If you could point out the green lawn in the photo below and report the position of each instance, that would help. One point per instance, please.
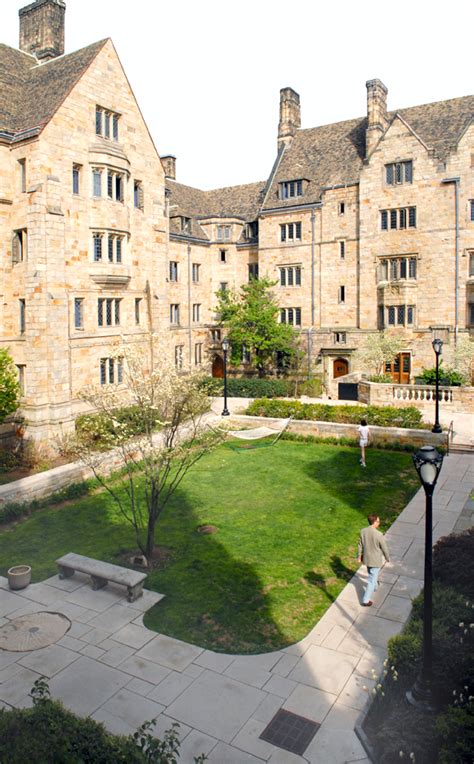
(288, 519)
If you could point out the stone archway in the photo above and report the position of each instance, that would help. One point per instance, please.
(218, 367)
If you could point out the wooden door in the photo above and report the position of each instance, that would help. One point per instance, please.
(400, 369)
(341, 367)
(218, 367)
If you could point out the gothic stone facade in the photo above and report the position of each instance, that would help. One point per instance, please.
(100, 244)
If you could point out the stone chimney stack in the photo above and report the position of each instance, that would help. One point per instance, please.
(290, 116)
(377, 120)
(169, 166)
(42, 29)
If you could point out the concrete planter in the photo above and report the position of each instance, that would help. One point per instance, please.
(19, 576)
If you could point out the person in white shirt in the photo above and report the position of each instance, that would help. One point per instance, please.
(363, 439)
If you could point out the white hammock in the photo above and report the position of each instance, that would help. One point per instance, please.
(260, 432)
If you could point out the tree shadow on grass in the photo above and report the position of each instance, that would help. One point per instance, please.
(211, 598)
(385, 486)
(341, 573)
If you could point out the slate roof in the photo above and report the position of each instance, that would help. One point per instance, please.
(234, 201)
(30, 92)
(334, 154)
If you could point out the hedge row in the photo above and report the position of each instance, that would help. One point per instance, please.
(382, 416)
(14, 510)
(254, 387)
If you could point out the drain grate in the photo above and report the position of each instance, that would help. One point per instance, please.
(290, 731)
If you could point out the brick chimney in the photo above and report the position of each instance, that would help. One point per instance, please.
(377, 120)
(169, 166)
(290, 116)
(42, 28)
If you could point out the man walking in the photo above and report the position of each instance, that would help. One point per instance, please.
(372, 551)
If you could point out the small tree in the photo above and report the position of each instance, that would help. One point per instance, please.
(464, 359)
(377, 350)
(172, 438)
(251, 320)
(9, 386)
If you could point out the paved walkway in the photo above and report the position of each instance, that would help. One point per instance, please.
(113, 668)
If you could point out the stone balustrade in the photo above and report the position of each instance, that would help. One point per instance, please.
(460, 400)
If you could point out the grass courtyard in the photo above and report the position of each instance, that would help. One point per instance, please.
(287, 520)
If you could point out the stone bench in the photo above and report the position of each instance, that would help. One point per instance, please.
(101, 573)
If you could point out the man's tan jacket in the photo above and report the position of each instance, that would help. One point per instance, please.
(372, 547)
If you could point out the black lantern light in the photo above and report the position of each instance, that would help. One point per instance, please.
(428, 462)
(437, 347)
(225, 350)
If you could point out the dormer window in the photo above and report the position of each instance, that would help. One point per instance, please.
(291, 188)
(186, 225)
(399, 172)
(223, 232)
(252, 230)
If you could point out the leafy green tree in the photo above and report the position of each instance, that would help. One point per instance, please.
(251, 320)
(9, 387)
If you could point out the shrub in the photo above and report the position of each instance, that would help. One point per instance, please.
(381, 378)
(452, 642)
(383, 416)
(14, 510)
(49, 733)
(449, 377)
(455, 729)
(453, 562)
(102, 429)
(311, 387)
(211, 385)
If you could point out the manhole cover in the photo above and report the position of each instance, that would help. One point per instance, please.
(290, 732)
(33, 631)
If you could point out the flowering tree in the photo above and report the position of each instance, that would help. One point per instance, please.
(464, 359)
(9, 387)
(377, 350)
(160, 439)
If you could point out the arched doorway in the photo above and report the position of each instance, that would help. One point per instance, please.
(340, 367)
(218, 367)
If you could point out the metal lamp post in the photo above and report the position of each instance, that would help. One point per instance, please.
(428, 462)
(225, 350)
(437, 347)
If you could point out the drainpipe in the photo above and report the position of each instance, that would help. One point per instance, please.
(190, 331)
(313, 244)
(456, 182)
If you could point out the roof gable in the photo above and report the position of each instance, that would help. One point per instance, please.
(34, 92)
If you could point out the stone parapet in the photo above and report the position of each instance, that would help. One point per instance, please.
(459, 400)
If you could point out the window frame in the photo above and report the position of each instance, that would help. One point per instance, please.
(400, 172)
(173, 271)
(174, 314)
(19, 246)
(79, 313)
(195, 268)
(76, 178)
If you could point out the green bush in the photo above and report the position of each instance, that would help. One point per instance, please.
(102, 429)
(211, 385)
(449, 377)
(452, 642)
(385, 379)
(383, 416)
(455, 729)
(49, 733)
(311, 387)
(453, 562)
(14, 510)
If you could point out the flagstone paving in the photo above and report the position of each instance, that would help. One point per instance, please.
(112, 668)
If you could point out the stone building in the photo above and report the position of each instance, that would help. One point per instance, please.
(364, 224)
